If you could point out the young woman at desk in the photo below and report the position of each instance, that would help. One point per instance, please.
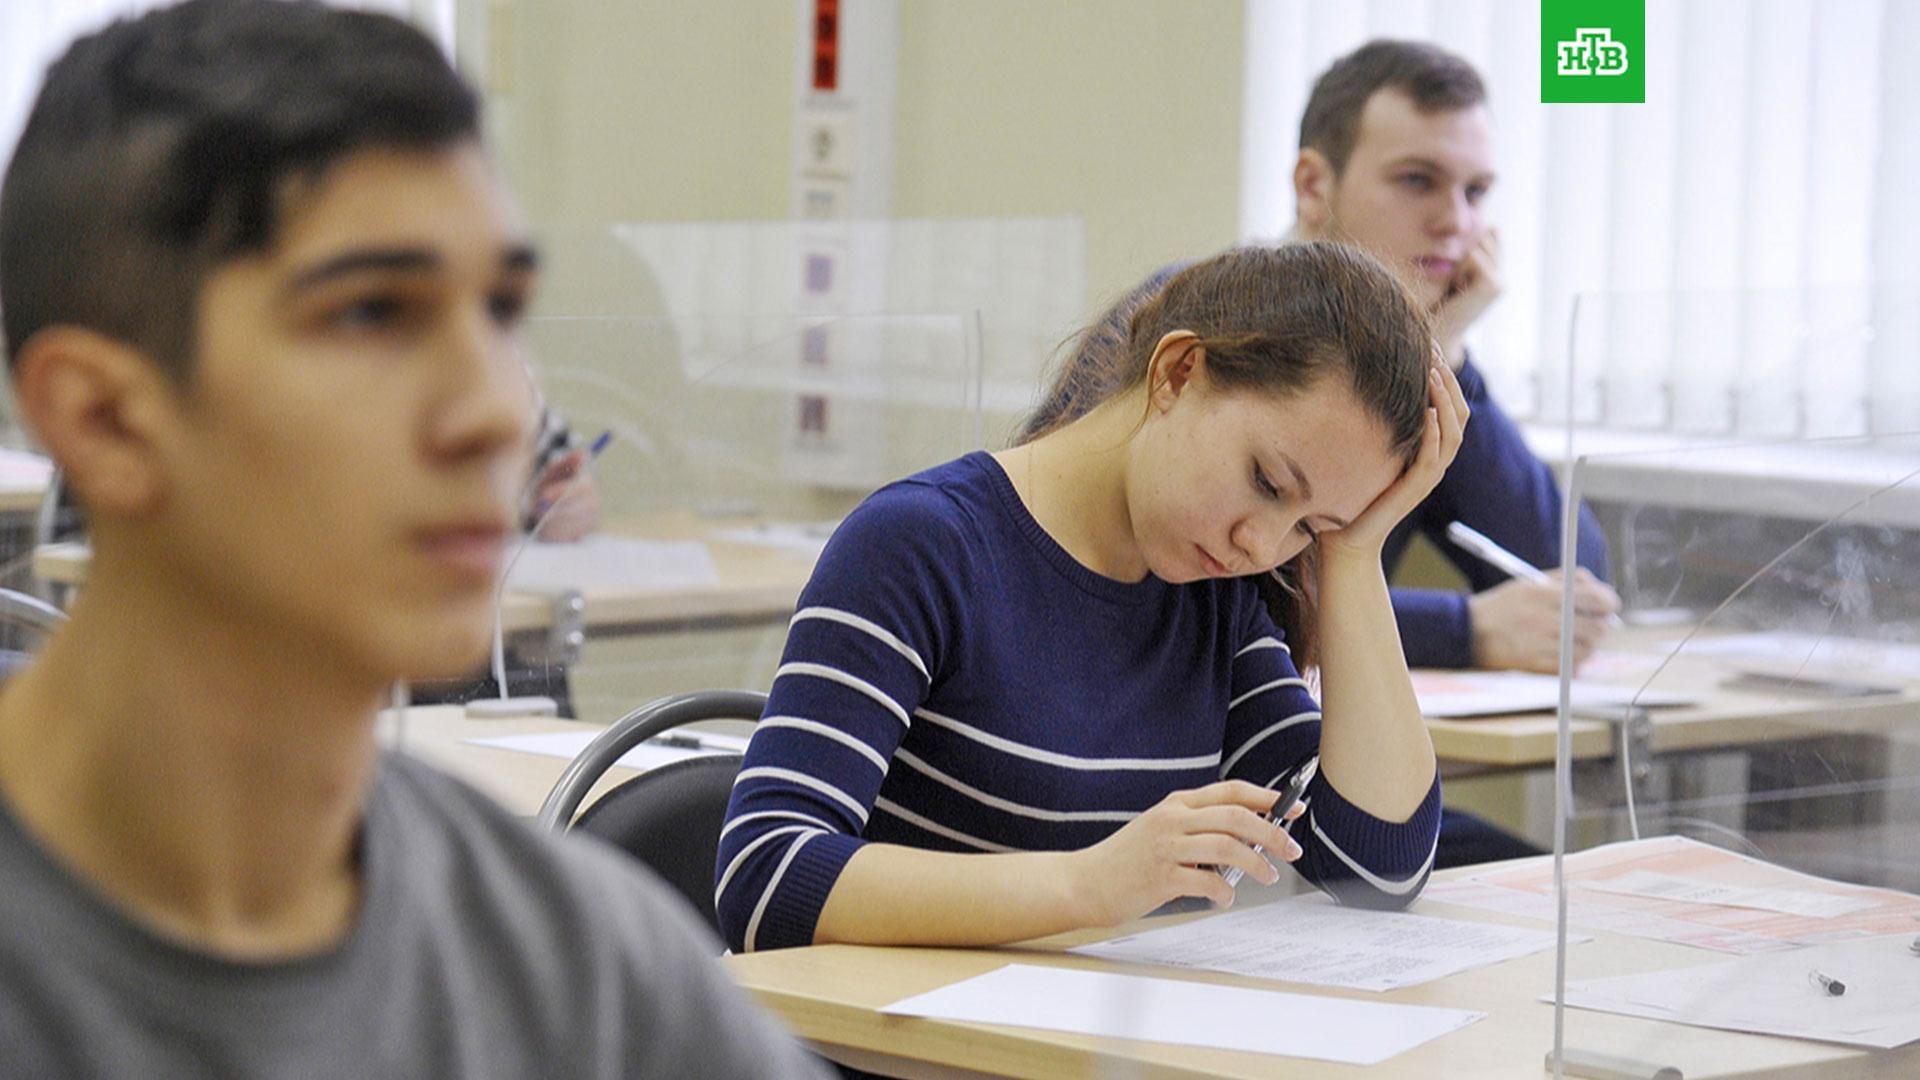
(1054, 687)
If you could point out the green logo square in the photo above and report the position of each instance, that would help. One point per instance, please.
(1593, 50)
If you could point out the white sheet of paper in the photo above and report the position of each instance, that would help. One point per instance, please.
(807, 538)
(1700, 891)
(1454, 694)
(1145, 1009)
(612, 562)
(1314, 941)
(24, 468)
(1772, 995)
(1853, 656)
(568, 744)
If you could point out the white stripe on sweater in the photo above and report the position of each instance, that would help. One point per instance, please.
(758, 842)
(874, 629)
(814, 727)
(790, 815)
(1271, 729)
(908, 759)
(932, 826)
(1258, 690)
(834, 674)
(759, 909)
(806, 780)
(1264, 643)
(1065, 761)
(1391, 888)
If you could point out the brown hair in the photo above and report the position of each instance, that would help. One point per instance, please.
(1274, 320)
(1434, 78)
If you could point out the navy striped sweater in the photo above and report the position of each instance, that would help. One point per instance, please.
(953, 679)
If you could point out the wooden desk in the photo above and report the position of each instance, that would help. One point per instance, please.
(828, 995)
(1725, 719)
(756, 582)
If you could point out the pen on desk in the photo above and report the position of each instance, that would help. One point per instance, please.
(1472, 540)
(1289, 795)
(1831, 985)
(679, 740)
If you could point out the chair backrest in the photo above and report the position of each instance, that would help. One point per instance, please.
(669, 817)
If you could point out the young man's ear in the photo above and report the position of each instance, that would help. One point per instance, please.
(1313, 183)
(1176, 360)
(98, 407)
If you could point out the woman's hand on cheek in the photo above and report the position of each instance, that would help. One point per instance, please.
(1447, 414)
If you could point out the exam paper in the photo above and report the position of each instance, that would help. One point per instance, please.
(1454, 694)
(808, 538)
(1772, 995)
(1837, 655)
(1694, 890)
(1314, 941)
(1144, 1009)
(1526, 888)
(568, 744)
(611, 562)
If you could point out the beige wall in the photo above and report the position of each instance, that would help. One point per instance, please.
(1125, 112)
(629, 111)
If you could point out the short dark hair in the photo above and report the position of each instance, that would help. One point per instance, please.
(159, 147)
(1434, 78)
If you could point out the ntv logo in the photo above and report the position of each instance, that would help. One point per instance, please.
(1592, 52)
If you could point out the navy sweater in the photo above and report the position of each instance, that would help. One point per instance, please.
(955, 680)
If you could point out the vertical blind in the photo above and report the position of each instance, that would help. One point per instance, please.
(1740, 250)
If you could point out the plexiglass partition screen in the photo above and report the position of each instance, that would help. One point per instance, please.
(1739, 761)
(715, 456)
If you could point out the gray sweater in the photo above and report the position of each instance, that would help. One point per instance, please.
(482, 949)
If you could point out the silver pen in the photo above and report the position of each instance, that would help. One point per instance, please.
(1289, 795)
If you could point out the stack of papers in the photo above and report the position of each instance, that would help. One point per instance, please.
(1794, 652)
(1138, 1008)
(1772, 994)
(611, 563)
(1675, 889)
(1313, 941)
(808, 538)
(1453, 694)
(569, 744)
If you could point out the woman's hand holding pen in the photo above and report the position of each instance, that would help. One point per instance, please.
(1173, 849)
(1447, 414)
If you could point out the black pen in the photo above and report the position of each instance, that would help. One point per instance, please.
(1289, 795)
(680, 741)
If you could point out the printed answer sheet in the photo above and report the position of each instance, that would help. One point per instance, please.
(1771, 994)
(1142, 1009)
(1609, 891)
(1458, 694)
(611, 562)
(1314, 941)
(569, 744)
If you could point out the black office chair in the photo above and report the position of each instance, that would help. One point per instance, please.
(669, 818)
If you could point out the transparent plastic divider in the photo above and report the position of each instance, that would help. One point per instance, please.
(728, 448)
(1740, 830)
